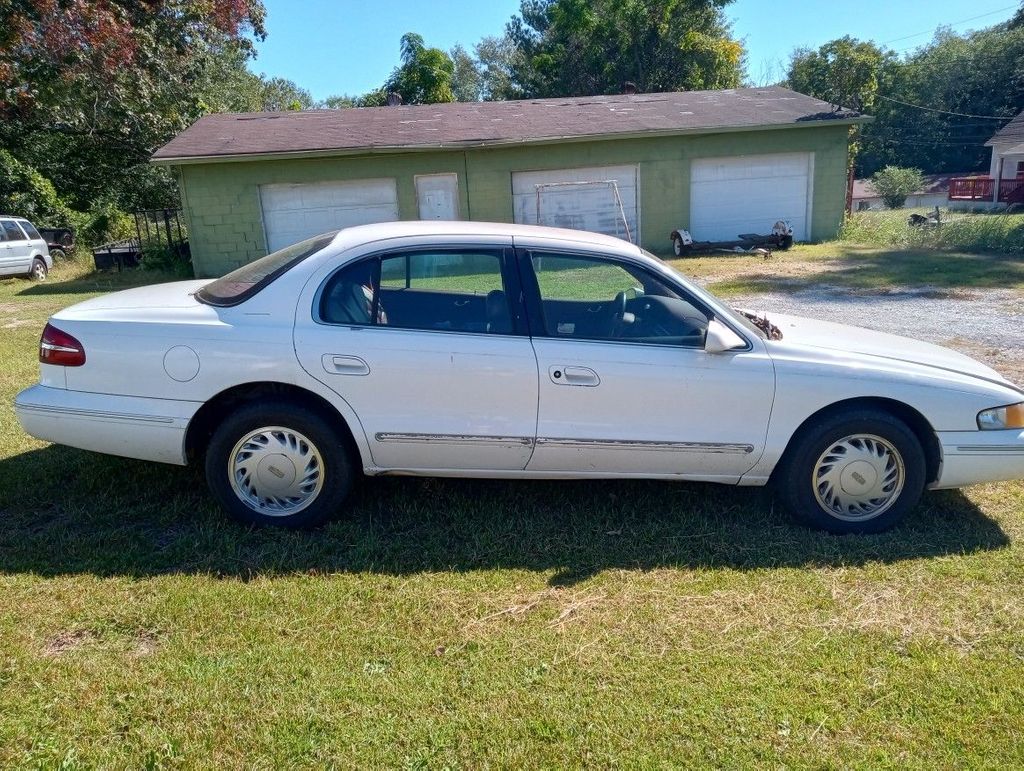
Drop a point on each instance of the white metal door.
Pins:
(601, 199)
(748, 194)
(437, 196)
(293, 212)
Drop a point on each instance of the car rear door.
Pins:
(15, 250)
(428, 346)
(626, 386)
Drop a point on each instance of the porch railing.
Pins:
(981, 188)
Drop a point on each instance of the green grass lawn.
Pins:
(447, 623)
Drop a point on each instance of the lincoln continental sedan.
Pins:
(491, 350)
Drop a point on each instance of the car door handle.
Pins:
(573, 376)
(338, 364)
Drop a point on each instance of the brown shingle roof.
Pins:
(1011, 132)
(467, 124)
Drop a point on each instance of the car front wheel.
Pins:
(858, 471)
(280, 465)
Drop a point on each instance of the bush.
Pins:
(25, 192)
(895, 183)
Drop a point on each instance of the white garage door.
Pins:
(747, 194)
(292, 213)
(601, 199)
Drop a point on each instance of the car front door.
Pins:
(429, 348)
(15, 250)
(626, 386)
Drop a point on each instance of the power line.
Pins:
(944, 112)
(949, 24)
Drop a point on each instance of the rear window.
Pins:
(239, 285)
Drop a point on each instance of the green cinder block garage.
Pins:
(718, 163)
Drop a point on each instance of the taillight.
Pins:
(58, 347)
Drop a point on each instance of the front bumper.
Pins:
(971, 457)
(129, 426)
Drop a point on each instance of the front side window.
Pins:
(590, 298)
(12, 231)
(445, 290)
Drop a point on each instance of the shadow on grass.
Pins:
(97, 281)
(64, 511)
(867, 269)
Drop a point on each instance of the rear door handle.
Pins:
(339, 364)
(573, 376)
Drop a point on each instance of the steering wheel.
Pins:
(619, 313)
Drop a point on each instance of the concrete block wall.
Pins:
(222, 202)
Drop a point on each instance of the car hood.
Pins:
(839, 340)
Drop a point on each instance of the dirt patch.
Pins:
(67, 641)
(146, 643)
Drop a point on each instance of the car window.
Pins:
(12, 230)
(453, 290)
(29, 228)
(592, 298)
(241, 284)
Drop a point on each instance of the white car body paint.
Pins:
(476, 405)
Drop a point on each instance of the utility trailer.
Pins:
(781, 237)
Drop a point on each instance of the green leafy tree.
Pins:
(844, 72)
(581, 47)
(88, 89)
(425, 75)
(894, 184)
(26, 192)
(499, 59)
(467, 80)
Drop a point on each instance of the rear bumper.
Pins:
(130, 426)
(970, 457)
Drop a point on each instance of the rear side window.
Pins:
(12, 231)
(30, 229)
(446, 291)
(239, 285)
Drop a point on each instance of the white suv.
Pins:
(23, 252)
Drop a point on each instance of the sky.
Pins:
(335, 47)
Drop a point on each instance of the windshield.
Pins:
(733, 314)
(241, 284)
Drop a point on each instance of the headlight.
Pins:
(1010, 416)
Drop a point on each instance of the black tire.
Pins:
(679, 248)
(787, 242)
(58, 255)
(38, 271)
(336, 468)
(795, 480)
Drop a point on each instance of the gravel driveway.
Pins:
(987, 324)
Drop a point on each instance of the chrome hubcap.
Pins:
(858, 478)
(276, 471)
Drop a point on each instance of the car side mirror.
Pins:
(720, 338)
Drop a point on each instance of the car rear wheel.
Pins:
(279, 465)
(39, 270)
(858, 471)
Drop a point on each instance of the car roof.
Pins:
(363, 234)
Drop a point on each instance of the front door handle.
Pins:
(340, 364)
(573, 376)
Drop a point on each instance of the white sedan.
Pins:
(480, 350)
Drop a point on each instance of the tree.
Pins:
(844, 72)
(894, 184)
(499, 58)
(467, 82)
(581, 47)
(88, 89)
(283, 95)
(425, 74)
